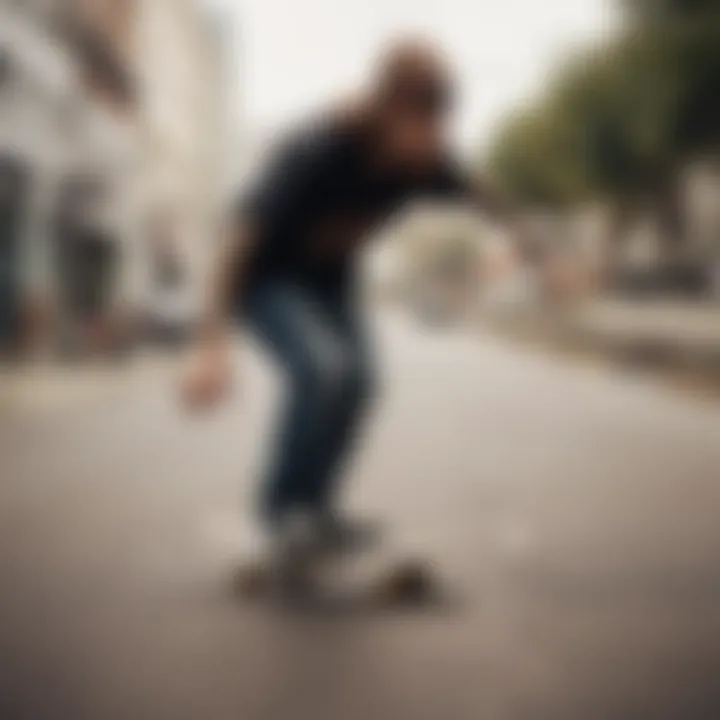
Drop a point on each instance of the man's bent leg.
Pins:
(348, 412)
(311, 355)
(355, 390)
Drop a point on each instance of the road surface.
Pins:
(573, 512)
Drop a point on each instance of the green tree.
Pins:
(527, 160)
(621, 122)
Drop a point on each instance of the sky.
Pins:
(295, 54)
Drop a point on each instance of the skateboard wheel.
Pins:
(410, 583)
(251, 581)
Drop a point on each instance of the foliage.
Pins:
(620, 120)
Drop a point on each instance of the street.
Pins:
(571, 510)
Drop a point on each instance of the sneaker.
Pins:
(337, 534)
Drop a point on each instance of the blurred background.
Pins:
(116, 135)
(127, 126)
(550, 432)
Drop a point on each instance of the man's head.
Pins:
(413, 93)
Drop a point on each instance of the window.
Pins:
(6, 69)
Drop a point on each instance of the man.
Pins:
(288, 271)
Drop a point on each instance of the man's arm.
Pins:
(454, 180)
(209, 374)
(501, 210)
(226, 277)
(274, 197)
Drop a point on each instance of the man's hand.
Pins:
(208, 377)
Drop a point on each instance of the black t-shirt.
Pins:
(318, 198)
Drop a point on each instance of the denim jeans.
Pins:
(318, 343)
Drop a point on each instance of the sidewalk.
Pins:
(668, 336)
(690, 327)
(571, 518)
(48, 387)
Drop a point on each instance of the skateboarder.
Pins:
(288, 274)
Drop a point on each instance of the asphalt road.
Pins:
(571, 513)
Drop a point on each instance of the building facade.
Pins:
(133, 96)
(185, 79)
(68, 107)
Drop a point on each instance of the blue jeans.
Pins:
(318, 343)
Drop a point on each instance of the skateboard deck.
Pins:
(395, 583)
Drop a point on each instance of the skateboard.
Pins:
(400, 583)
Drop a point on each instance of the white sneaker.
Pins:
(338, 534)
